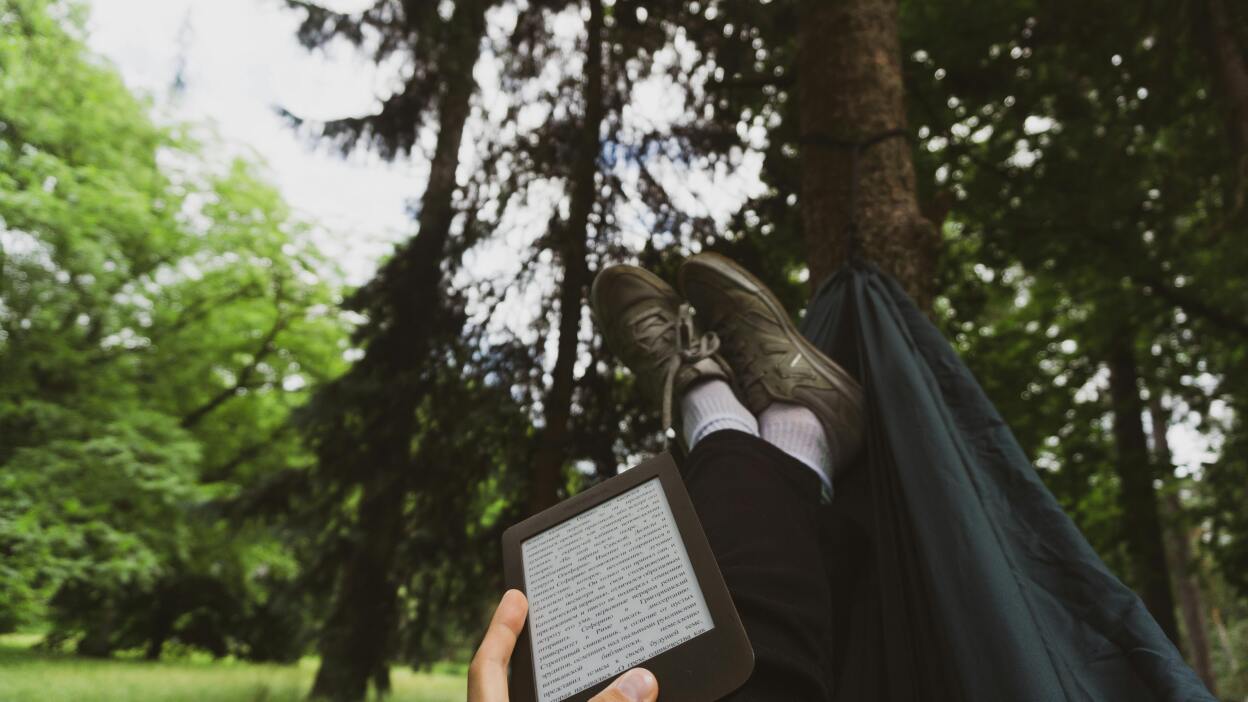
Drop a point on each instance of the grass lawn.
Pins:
(34, 676)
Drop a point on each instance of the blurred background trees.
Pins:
(159, 321)
(197, 445)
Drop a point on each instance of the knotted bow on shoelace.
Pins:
(690, 349)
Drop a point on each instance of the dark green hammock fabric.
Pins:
(958, 575)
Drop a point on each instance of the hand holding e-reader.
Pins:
(487, 676)
(618, 577)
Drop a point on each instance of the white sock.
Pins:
(711, 406)
(798, 432)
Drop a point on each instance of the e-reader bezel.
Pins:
(706, 667)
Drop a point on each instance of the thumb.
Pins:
(636, 685)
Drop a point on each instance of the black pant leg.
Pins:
(760, 510)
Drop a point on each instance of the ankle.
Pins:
(797, 431)
(710, 406)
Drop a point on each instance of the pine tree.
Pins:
(571, 244)
(1140, 506)
(364, 425)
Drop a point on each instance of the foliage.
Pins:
(1092, 178)
(1090, 182)
(418, 442)
(158, 322)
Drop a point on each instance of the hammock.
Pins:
(958, 576)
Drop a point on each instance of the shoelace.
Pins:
(690, 349)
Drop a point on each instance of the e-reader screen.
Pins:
(609, 588)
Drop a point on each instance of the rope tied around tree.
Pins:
(853, 242)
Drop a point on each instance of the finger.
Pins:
(487, 674)
(637, 685)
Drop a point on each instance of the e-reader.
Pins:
(617, 577)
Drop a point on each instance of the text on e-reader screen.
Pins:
(607, 589)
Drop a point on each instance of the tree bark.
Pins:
(1137, 496)
(97, 641)
(1224, 638)
(1191, 601)
(849, 90)
(1232, 73)
(551, 452)
(358, 636)
(1216, 35)
(161, 628)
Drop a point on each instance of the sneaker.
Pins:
(773, 362)
(652, 330)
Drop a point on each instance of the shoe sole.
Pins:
(725, 267)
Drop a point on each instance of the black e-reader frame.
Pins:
(703, 668)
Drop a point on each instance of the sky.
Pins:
(240, 61)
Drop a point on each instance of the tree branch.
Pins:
(223, 471)
(243, 379)
(1194, 306)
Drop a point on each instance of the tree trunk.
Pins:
(1231, 71)
(356, 639)
(360, 628)
(1215, 36)
(551, 452)
(97, 642)
(1224, 638)
(850, 90)
(161, 626)
(1140, 514)
(155, 646)
(1191, 602)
